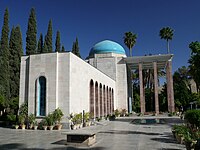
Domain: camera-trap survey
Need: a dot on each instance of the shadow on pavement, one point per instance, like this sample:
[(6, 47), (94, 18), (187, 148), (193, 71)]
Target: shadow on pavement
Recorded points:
[(18, 146), (164, 140), (170, 149), (128, 132)]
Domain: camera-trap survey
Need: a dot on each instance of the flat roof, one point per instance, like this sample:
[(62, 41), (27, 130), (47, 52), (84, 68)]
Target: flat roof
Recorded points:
[(147, 61)]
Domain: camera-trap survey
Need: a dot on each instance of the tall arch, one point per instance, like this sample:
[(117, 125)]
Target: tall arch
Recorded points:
[(108, 104), (96, 100), (104, 98), (101, 100), (92, 97), (112, 101), (41, 96)]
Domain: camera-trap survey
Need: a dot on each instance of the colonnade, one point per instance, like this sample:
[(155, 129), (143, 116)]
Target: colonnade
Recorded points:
[(101, 99), (170, 91)]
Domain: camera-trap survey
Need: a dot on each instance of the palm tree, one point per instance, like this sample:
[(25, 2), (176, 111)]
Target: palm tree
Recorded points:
[(130, 40), (167, 34)]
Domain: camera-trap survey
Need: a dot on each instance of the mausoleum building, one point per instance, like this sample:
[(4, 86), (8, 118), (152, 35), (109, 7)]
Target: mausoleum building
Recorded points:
[(99, 85)]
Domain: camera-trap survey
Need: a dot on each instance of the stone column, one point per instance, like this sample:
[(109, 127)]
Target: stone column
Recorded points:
[(170, 89), (156, 87), (141, 89)]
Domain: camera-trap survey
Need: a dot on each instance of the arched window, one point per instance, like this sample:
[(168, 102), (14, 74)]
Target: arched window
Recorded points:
[(41, 96)]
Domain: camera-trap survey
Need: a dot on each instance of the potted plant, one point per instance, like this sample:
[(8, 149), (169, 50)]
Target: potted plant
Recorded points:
[(117, 113), (31, 120), (123, 112), (79, 120), (44, 123), (22, 121), (58, 114), (50, 121), (87, 118), (35, 125), (23, 114)]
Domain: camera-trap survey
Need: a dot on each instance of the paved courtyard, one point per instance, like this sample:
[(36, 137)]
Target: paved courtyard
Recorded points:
[(112, 135)]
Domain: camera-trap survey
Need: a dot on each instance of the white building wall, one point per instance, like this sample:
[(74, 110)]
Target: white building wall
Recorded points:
[(63, 83), (121, 85), (81, 74), (114, 66), (24, 75), (39, 65)]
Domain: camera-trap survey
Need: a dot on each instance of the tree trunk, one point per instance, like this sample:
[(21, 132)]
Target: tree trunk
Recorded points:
[(168, 47), (130, 50)]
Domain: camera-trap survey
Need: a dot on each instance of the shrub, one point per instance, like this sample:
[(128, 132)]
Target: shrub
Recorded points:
[(77, 119), (117, 113), (58, 114), (11, 117), (50, 119), (193, 117), (31, 118), (23, 110), (87, 116), (112, 117)]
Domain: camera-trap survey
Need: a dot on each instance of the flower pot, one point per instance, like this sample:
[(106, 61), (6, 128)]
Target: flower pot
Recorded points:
[(16, 126), (45, 127), (58, 126), (31, 126), (23, 127), (180, 138), (35, 127), (51, 127), (174, 132)]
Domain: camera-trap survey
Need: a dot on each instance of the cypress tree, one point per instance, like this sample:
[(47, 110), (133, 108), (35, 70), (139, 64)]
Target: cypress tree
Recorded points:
[(75, 48), (31, 39), (57, 42), (16, 51), (63, 48), (48, 38), (4, 57), (40, 44), (45, 48)]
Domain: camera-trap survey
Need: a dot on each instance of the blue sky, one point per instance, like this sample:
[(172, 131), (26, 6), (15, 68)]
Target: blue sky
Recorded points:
[(96, 20)]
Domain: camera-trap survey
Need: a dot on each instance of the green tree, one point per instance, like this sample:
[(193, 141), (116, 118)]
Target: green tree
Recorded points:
[(40, 44), (2, 103), (181, 91), (57, 42), (194, 66), (129, 41), (63, 48), (48, 37), (166, 34), (75, 48), (4, 57), (16, 51), (45, 48), (31, 34)]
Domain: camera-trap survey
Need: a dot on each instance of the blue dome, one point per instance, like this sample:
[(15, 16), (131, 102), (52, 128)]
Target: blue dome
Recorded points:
[(107, 46)]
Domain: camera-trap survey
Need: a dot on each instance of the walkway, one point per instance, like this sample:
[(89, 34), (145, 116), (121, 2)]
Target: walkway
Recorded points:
[(112, 135)]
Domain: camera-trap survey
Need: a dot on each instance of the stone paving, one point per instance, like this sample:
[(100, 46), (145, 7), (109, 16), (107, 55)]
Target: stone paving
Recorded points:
[(112, 135)]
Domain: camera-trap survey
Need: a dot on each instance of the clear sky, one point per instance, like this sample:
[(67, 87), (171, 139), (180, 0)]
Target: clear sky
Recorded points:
[(96, 20)]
